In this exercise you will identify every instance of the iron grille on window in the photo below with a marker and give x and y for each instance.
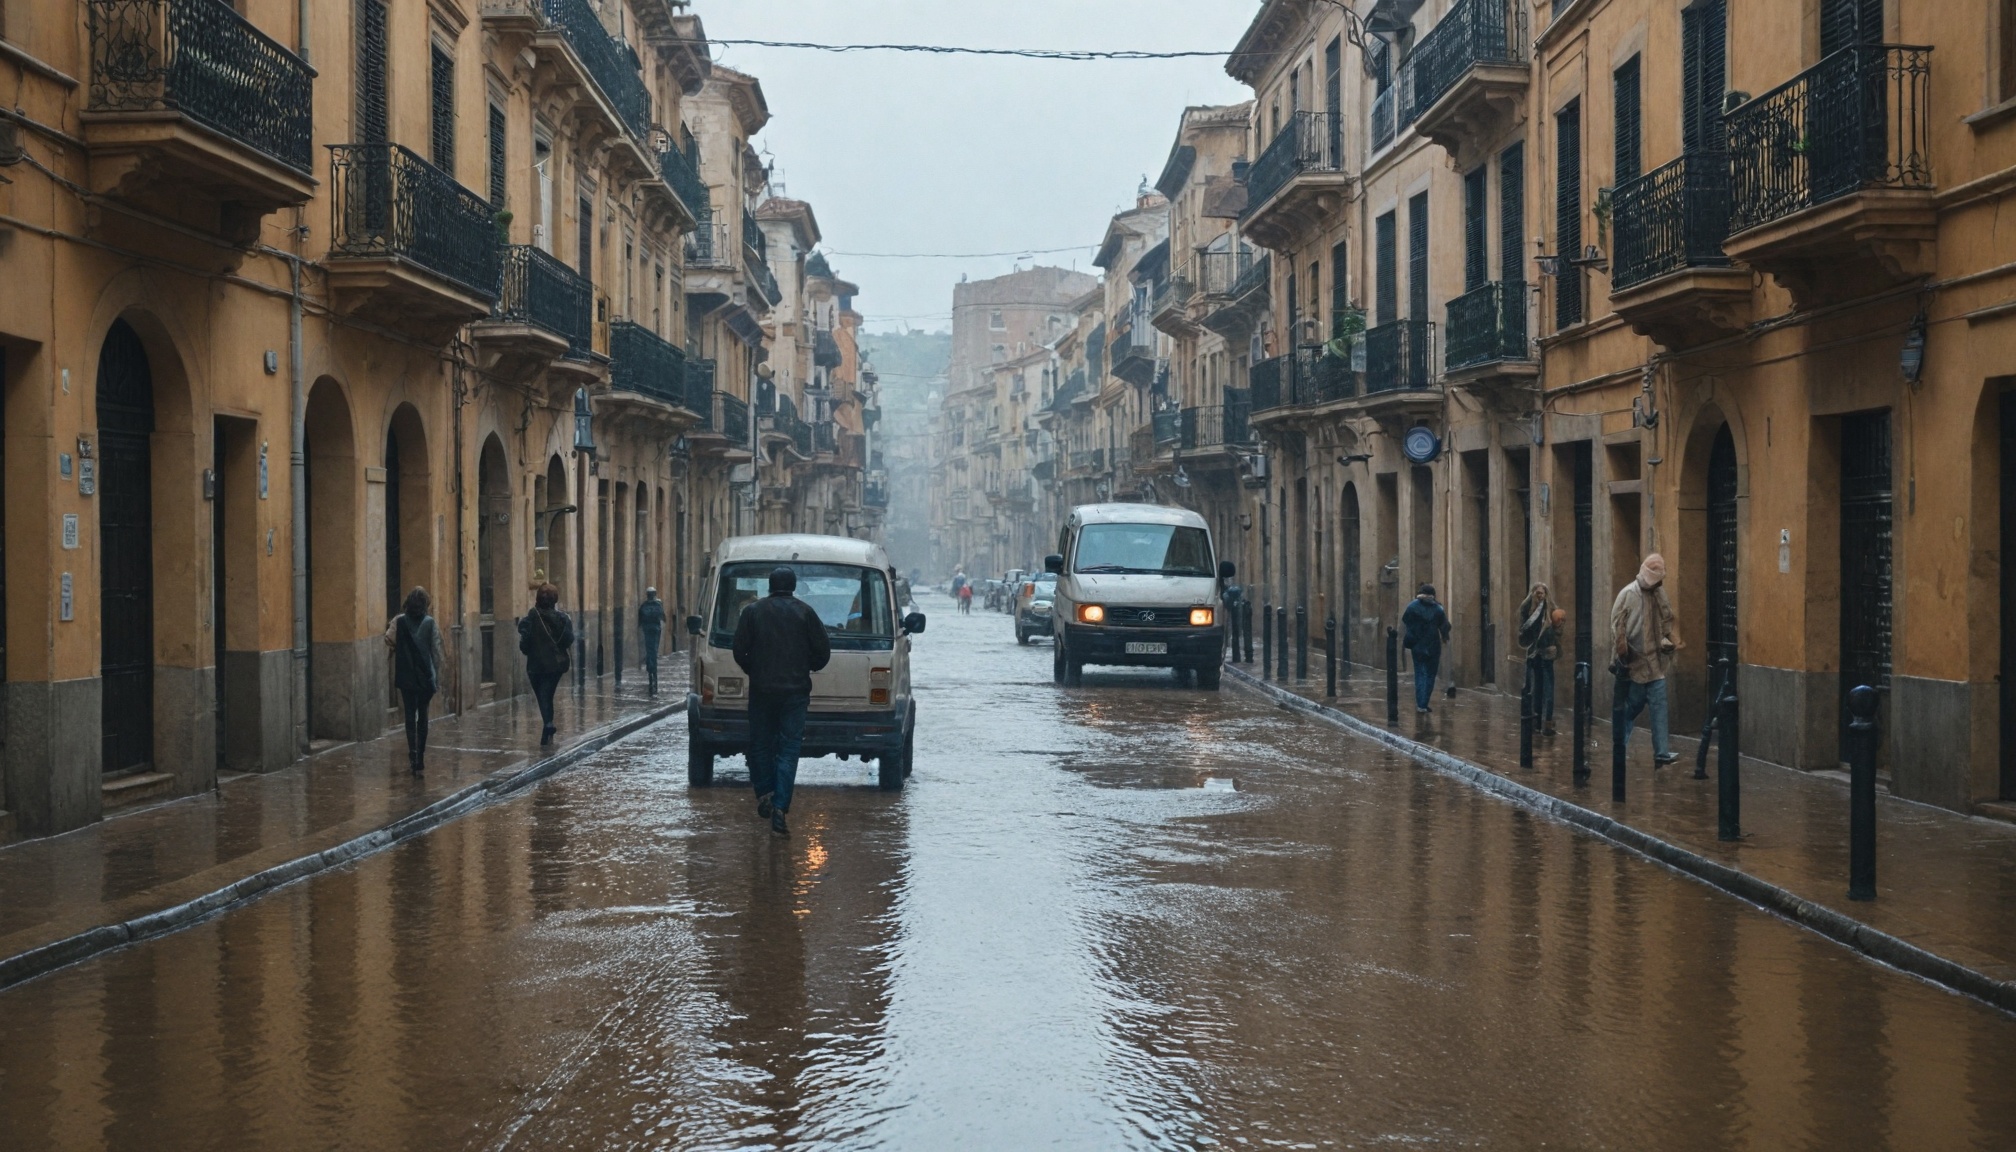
(537, 289)
(1488, 324)
(607, 60)
(642, 363)
(200, 58)
(1675, 216)
(388, 202)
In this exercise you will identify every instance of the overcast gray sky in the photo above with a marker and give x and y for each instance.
(908, 153)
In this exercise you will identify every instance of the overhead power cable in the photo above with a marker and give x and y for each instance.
(958, 50)
(965, 255)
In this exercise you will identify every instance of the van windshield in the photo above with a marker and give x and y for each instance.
(852, 602)
(1144, 550)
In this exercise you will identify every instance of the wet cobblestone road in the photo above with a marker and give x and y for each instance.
(1058, 936)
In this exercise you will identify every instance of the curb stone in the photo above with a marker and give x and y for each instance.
(1836, 926)
(92, 942)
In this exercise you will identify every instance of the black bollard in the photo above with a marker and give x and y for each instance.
(1266, 641)
(1392, 676)
(1526, 718)
(1330, 656)
(1862, 793)
(1249, 632)
(1581, 724)
(1245, 654)
(1728, 766)
(1620, 731)
(1301, 642)
(1723, 683)
(1281, 634)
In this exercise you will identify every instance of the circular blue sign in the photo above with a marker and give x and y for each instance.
(1420, 444)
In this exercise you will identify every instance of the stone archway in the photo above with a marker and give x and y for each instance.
(408, 535)
(495, 589)
(1703, 561)
(336, 650)
(125, 489)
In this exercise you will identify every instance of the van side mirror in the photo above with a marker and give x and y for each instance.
(1054, 563)
(692, 625)
(1226, 570)
(914, 623)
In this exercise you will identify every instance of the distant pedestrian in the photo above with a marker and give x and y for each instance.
(546, 637)
(417, 663)
(650, 626)
(779, 641)
(1540, 635)
(1641, 619)
(966, 599)
(1427, 627)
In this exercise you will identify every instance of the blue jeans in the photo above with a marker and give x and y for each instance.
(776, 728)
(1643, 697)
(1425, 668)
(1543, 692)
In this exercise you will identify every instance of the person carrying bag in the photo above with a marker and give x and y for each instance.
(546, 637)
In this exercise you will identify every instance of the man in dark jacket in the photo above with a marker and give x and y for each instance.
(650, 626)
(546, 637)
(779, 641)
(1426, 626)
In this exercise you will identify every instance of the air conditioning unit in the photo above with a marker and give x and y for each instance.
(1254, 468)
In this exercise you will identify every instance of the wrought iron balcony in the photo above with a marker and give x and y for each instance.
(1859, 119)
(538, 290)
(1133, 352)
(1218, 425)
(1309, 142)
(644, 364)
(700, 391)
(752, 236)
(1400, 357)
(1272, 383)
(1385, 117)
(1218, 273)
(825, 438)
(609, 62)
(1167, 425)
(874, 495)
(731, 417)
(765, 283)
(825, 349)
(1308, 376)
(408, 244)
(707, 246)
(1675, 216)
(1486, 325)
(1472, 33)
(682, 172)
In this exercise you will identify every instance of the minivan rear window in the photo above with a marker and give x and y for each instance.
(1144, 550)
(852, 602)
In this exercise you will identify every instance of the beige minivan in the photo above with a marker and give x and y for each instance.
(861, 704)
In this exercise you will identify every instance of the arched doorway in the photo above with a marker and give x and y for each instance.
(493, 552)
(126, 551)
(1352, 565)
(331, 496)
(1720, 553)
(408, 541)
(553, 528)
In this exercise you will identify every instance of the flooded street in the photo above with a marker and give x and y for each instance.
(1057, 936)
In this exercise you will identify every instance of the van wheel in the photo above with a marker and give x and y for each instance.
(1057, 661)
(1208, 677)
(1074, 670)
(1182, 677)
(699, 763)
(894, 767)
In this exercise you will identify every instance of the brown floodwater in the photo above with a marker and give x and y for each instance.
(1056, 937)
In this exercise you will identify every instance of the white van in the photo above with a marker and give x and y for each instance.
(1136, 585)
(861, 703)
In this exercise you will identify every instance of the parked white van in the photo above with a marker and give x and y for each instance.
(861, 703)
(1136, 585)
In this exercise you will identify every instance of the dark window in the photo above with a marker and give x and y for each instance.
(586, 258)
(441, 110)
(1382, 67)
(1417, 257)
(1568, 212)
(1340, 298)
(1512, 214)
(497, 128)
(1475, 259)
(2006, 88)
(370, 72)
(1629, 149)
(1704, 62)
(1386, 278)
(1846, 22)
(1333, 100)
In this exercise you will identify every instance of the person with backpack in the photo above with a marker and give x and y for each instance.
(417, 664)
(546, 637)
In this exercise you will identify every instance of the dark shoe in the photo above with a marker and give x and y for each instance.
(1549, 730)
(546, 736)
(777, 823)
(763, 806)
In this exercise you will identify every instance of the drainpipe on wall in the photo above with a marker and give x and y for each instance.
(462, 697)
(297, 469)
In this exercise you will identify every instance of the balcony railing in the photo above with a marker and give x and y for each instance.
(539, 290)
(707, 246)
(700, 391)
(752, 236)
(1385, 117)
(1218, 425)
(609, 61)
(824, 438)
(1255, 277)
(1486, 325)
(1400, 357)
(200, 58)
(1272, 383)
(731, 417)
(1309, 142)
(1218, 273)
(787, 423)
(1675, 216)
(1473, 32)
(1309, 375)
(825, 349)
(874, 496)
(389, 203)
(643, 363)
(1166, 425)
(1861, 118)
(682, 172)
(765, 281)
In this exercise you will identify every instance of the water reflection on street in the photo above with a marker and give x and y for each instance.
(1056, 937)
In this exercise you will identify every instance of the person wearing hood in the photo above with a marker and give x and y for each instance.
(779, 641)
(650, 626)
(1426, 629)
(417, 663)
(1641, 619)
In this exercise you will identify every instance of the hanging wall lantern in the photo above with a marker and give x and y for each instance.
(1912, 359)
(584, 416)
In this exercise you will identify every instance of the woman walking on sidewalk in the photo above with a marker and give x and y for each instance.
(417, 661)
(546, 637)
(1540, 635)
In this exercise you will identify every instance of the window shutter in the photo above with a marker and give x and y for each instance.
(497, 133)
(1340, 296)
(442, 110)
(1417, 257)
(1703, 68)
(1568, 212)
(370, 72)
(1846, 22)
(1387, 288)
(1629, 150)
(1512, 214)
(1475, 260)
(586, 260)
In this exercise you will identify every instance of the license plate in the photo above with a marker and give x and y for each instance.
(1147, 648)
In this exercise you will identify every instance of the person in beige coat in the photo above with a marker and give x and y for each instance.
(1641, 619)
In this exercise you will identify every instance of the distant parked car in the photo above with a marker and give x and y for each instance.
(1032, 606)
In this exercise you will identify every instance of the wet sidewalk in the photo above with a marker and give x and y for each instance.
(69, 896)
(1946, 882)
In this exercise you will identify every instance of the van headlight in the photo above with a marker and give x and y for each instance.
(1201, 617)
(731, 685)
(1091, 614)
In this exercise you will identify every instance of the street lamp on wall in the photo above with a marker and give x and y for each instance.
(584, 418)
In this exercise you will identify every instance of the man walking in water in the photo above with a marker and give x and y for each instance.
(650, 626)
(779, 641)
